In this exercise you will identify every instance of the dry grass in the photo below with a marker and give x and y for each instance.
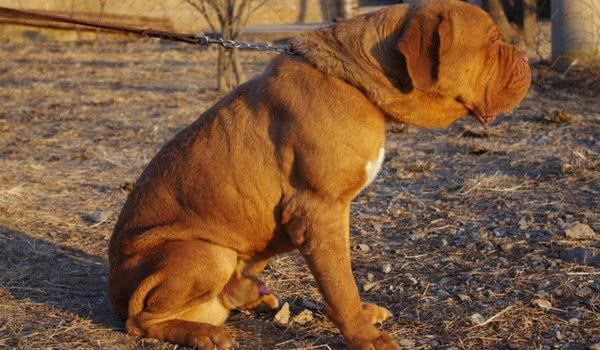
(495, 183)
(470, 219)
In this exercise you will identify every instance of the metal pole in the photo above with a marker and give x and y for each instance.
(346, 9)
(575, 32)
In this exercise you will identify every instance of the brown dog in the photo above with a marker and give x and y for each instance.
(274, 166)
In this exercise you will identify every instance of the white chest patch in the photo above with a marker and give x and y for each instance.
(373, 166)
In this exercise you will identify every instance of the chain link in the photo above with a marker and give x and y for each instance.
(205, 40)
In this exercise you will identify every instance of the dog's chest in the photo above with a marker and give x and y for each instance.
(373, 166)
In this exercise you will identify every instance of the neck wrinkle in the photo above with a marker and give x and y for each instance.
(362, 52)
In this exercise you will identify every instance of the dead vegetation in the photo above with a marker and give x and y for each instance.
(462, 235)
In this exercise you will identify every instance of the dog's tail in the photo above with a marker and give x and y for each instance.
(137, 303)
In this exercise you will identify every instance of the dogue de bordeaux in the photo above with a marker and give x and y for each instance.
(274, 165)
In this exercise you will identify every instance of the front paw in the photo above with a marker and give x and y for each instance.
(376, 314)
(382, 342)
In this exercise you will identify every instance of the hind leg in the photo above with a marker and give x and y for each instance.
(179, 300)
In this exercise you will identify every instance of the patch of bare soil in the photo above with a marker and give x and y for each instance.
(462, 236)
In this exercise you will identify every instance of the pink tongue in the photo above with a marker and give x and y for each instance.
(486, 119)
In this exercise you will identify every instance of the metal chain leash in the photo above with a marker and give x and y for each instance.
(206, 40)
(203, 40)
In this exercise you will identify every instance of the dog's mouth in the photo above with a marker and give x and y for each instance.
(486, 119)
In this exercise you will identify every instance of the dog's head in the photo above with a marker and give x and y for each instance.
(454, 49)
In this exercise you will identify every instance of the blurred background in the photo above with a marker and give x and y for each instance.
(525, 23)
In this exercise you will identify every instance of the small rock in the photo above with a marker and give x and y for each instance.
(304, 317)
(371, 194)
(387, 268)
(363, 247)
(542, 303)
(96, 217)
(411, 278)
(442, 293)
(370, 277)
(406, 343)
(498, 232)
(579, 231)
(507, 247)
(477, 319)
(574, 321)
(369, 285)
(464, 298)
(282, 317)
(523, 224)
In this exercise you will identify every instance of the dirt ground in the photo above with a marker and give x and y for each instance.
(462, 235)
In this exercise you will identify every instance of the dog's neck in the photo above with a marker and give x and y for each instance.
(362, 52)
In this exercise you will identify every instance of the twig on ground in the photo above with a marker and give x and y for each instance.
(491, 319)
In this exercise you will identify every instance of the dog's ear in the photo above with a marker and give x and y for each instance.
(423, 42)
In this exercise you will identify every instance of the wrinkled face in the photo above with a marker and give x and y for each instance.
(455, 50)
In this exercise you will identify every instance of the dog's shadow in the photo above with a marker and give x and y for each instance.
(73, 281)
(64, 278)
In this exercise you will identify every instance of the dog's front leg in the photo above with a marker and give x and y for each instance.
(322, 234)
